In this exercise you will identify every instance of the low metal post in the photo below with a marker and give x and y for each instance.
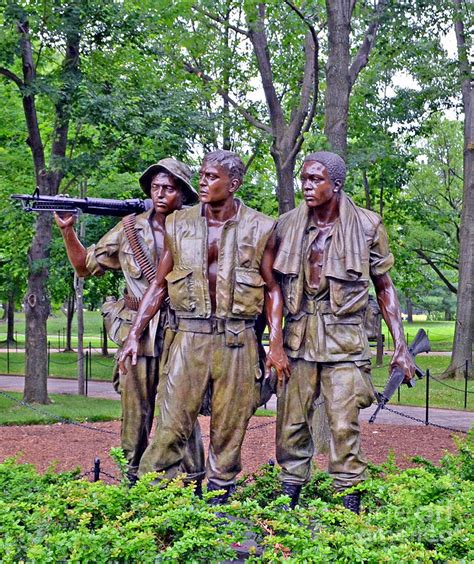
(427, 405)
(96, 469)
(398, 394)
(90, 360)
(16, 340)
(59, 340)
(49, 355)
(466, 374)
(86, 382)
(8, 357)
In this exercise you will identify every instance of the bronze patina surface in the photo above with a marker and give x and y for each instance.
(329, 250)
(115, 251)
(217, 270)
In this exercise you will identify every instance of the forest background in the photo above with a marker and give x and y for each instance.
(92, 92)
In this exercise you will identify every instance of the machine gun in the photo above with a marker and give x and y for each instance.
(420, 344)
(96, 206)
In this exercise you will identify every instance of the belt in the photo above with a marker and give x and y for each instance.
(212, 325)
(313, 306)
(131, 302)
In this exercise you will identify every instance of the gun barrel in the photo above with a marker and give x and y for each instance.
(95, 206)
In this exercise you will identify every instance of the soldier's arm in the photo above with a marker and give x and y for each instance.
(390, 309)
(75, 249)
(276, 357)
(149, 306)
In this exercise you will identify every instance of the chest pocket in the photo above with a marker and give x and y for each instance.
(181, 290)
(130, 265)
(248, 292)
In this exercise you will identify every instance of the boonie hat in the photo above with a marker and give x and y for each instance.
(179, 170)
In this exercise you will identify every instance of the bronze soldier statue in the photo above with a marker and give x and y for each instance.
(328, 250)
(216, 268)
(134, 246)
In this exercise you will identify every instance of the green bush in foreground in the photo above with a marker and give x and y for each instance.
(423, 514)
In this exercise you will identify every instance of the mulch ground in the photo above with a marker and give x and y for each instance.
(70, 446)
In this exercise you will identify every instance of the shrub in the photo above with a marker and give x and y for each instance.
(421, 514)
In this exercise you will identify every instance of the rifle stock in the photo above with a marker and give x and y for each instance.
(420, 344)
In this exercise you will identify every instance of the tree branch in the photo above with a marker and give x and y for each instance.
(12, 76)
(362, 57)
(220, 19)
(310, 85)
(29, 105)
(433, 265)
(260, 46)
(245, 113)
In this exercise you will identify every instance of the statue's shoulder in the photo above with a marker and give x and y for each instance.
(370, 220)
(253, 216)
(291, 217)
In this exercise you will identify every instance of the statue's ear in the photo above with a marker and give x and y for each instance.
(337, 185)
(235, 185)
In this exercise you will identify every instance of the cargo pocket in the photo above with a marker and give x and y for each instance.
(364, 388)
(344, 334)
(294, 331)
(248, 292)
(181, 290)
(117, 320)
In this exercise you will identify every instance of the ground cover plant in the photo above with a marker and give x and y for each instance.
(423, 514)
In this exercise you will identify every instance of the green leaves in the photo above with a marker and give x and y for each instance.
(419, 514)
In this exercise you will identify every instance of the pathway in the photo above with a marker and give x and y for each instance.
(462, 420)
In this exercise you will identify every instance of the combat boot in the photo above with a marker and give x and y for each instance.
(352, 502)
(219, 499)
(292, 491)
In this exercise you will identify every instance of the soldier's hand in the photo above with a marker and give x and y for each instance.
(130, 349)
(403, 360)
(277, 359)
(64, 219)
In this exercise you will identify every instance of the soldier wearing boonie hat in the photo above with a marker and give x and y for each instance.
(179, 170)
(168, 184)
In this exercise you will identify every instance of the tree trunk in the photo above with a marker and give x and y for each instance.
(337, 74)
(81, 390)
(409, 310)
(104, 344)
(285, 181)
(464, 329)
(37, 309)
(69, 319)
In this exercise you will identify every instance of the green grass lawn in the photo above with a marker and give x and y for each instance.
(77, 408)
(440, 394)
(61, 365)
(440, 332)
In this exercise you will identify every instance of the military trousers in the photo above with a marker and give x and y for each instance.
(196, 360)
(343, 388)
(138, 390)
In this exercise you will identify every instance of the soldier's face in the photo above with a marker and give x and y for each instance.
(165, 193)
(215, 184)
(316, 185)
